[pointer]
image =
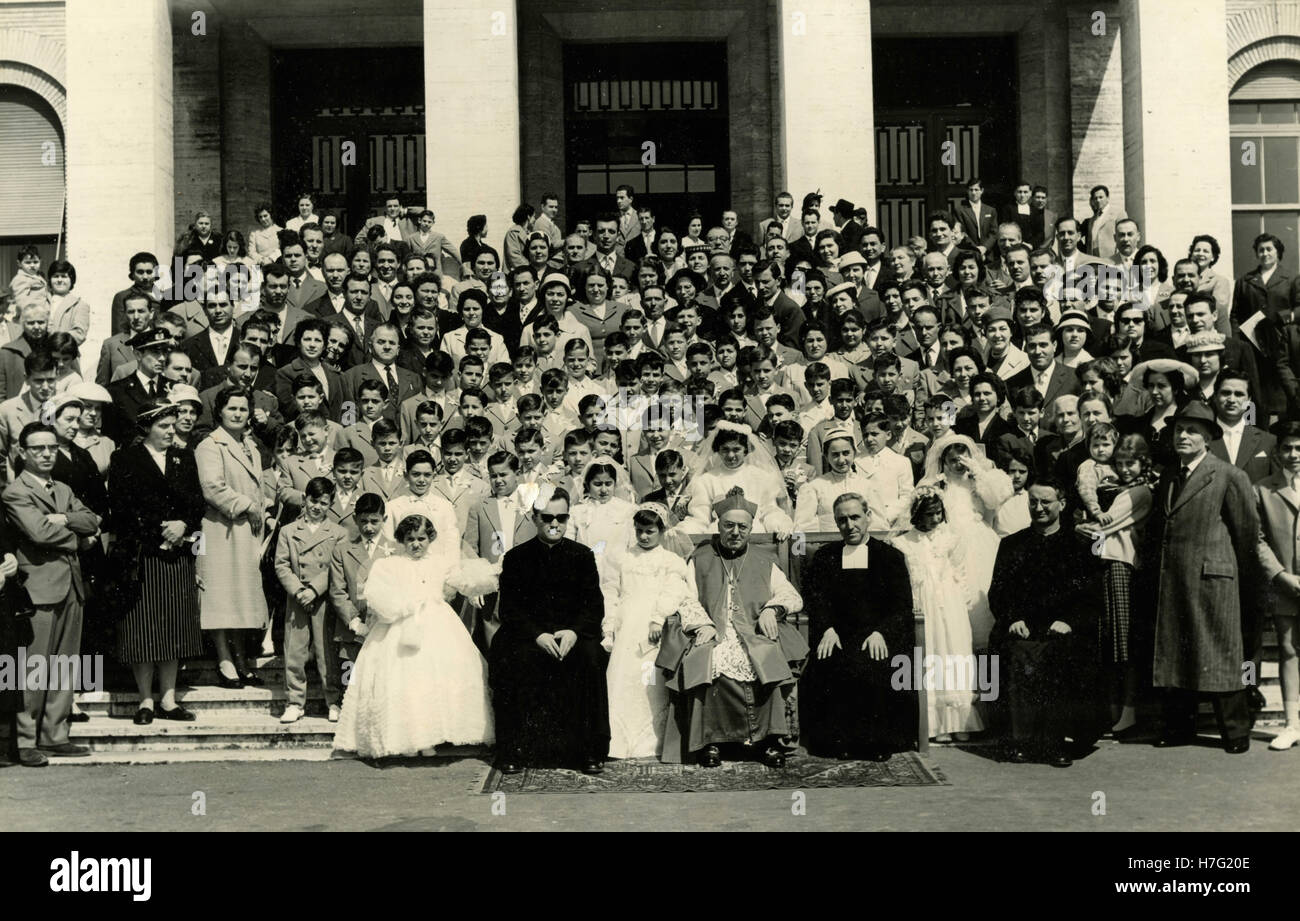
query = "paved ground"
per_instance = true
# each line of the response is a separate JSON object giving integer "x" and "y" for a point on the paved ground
{"x": 1200, "y": 789}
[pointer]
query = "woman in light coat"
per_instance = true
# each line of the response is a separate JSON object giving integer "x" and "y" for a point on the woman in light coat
{"x": 230, "y": 473}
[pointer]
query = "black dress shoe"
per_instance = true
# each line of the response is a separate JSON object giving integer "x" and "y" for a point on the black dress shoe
{"x": 143, "y": 716}
{"x": 880, "y": 755}
{"x": 509, "y": 767}
{"x": 1257, "y": 701}
{"x": 1019, "y": 756}
{"x": 177, "y": 713}
{"x": 252, "y": 680}
{"x": 594, "y": 767}
{"x": 710, "y": 756}
{"x": 79, "y": 718}
{"x": 844, "y": 755}
{"x": 30, "y": 757}
{"x": 1237, "y": 746}
{"x": 773, "y": 757}
{"x": 230, "y": 684}
{"x": 1174, "y": 741}
{"x": 1060, "y": 759}
{"x": 66, "y": 750}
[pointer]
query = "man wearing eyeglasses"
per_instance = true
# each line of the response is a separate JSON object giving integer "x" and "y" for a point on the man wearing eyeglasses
{"x": 50, "y": 524}
{"x": 546, "y": 666}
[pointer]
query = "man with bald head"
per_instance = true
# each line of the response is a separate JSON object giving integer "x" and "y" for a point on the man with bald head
{"x": 34, "y": 324}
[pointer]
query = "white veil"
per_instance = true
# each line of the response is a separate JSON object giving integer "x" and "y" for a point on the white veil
{"x": 933, "y": 457}
{"x": 759, "y": 456}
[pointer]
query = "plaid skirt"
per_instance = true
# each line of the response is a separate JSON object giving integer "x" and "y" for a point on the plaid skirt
{"x": 1113, "y": 627}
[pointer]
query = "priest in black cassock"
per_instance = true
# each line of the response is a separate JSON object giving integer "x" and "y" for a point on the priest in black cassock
{"x": 1046, "y": 596}
{"x": 546, "y": 667}
{"x": 729, "y": 657}
{"x": 858, "y": 597}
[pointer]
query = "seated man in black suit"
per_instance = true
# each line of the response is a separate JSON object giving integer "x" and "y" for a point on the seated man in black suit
{"x": 1045, "y": 595}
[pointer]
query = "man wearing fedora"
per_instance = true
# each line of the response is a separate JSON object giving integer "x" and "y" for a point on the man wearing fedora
{"x": 1202, "y": 539}
{"x": 849, "y": 229}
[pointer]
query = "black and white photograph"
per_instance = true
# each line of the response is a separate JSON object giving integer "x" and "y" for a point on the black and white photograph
{"x": 614, "y": 415}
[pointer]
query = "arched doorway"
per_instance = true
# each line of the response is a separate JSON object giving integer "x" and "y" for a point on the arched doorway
{"x": 32, "y": 181}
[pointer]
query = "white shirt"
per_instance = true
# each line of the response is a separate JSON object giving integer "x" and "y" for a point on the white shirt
{"x": 508, "y": 511}
{"x": 1232, "y": 438}
{"x": 358, "y": 323}
{"x": 146, "y": 381}
{"x": 526, "y": 309}
{"x": 336, "y": 300}
{"x": 382, "y": 370}
{"x": 1264, "y": 276}
{"x": 159, "y": 457}
{"x": 655, "y": 329}
{"x": 220, "y": 341}
{"x": 1042, "y": 379}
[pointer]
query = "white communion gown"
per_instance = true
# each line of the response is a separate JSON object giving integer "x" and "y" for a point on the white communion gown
{"x": 652, "y": 585}
{"x": 419, "y": 680}
{"x": 971, "y": 505}
{"x": 936, "y": 564}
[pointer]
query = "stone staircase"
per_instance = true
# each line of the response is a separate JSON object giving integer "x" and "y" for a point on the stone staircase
{"x": 244, "y": 725}
{"x": 232, "y": 725}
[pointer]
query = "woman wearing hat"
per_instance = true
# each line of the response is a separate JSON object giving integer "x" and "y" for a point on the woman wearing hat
{"x": 156, "y": 510}
{"x": 1204, "y": 351}
{"x": 555, "y": 292}
{"x": 1071, "y": 335}
{"x": 1170, "y": 385}
{"x": 189, "y": 408}
{"x": 93, "y": 399}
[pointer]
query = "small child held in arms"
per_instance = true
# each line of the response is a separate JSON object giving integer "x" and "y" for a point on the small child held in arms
{"x": 1097, "y": 481}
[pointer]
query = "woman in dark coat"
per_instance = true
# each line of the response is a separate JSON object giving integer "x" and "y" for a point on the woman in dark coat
{"x": 157, "y": 509}
{"x": 847, "y": 705}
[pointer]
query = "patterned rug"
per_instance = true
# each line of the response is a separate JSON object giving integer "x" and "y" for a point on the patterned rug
{"x": 803, "y": 771}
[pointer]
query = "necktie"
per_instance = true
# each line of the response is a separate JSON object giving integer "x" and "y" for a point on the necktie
{"x": 608, "y": 262}
{"x": 1183, "y": 474}
{"x": 297, "y": 282}
{"x": 391, "y": 381}
{"x": 153, "y": 388}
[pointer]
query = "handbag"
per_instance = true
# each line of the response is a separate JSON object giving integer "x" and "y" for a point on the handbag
{"x": 122, "y": 586}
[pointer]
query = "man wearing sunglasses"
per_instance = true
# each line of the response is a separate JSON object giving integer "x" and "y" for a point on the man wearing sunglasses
{"x": 546, "y": 666}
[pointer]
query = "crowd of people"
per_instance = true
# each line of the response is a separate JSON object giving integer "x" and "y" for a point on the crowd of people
{"x": 532, "y": 496}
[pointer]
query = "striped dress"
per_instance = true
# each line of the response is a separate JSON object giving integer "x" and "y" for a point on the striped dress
{"x": 162, "y": 623}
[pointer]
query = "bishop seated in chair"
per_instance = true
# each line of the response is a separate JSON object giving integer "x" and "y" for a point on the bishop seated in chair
{"x": 729, "y": 658}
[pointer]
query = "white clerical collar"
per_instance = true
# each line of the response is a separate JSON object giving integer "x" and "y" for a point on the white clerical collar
{"x": 854, "y": 557}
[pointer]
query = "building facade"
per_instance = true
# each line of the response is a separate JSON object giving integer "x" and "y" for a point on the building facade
{"x": 119, "y": 119}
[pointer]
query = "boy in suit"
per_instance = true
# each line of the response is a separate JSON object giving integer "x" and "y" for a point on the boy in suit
{"x": 455, "y": 482}
{"x": 302, "y": 563}
{"x": 50, "y": 525}
{"x": 495, "y": 525}
{"x": 427, "y": 432}
{"x": 438, "y": 369}
{"x": 348, "y": 467}
{"x": 314, "y": 459}
{"x": 386, "y": 475}
{"x": 372, "y": 397}
{"x": 349, "y": 566}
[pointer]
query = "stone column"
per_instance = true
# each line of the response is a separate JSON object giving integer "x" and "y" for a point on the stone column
{"x": 827, "y": 119}
{"x": 471, "y": 97}
{"x": 120, "y": 171}
{"x": 1176, "y": 172}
